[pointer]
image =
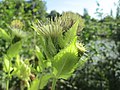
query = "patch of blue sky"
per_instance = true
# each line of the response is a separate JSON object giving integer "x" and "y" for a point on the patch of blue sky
{"x": 78, "y": 6}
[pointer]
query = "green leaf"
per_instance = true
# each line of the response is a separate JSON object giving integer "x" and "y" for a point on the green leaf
{"x": 42, "y": 41}
{"x": 65, "y": 76}
{"x": 44, "y": 80}
{"x": 51, "y": 48}
{"x": 82, "y": 62}
{"x": 21, "y": 69}
{"x": 65, "y": 61}
{"x": 4, "y": 35}
{"x": 7, "y": 64}
{"x": 69, "y": 36}
{"x": 35, "y": 85}
{"x": 14, "y": 49}
{"x": 40, "y": 83}
{"x": 40, "y": 58}
{"x": 25, "y": 71}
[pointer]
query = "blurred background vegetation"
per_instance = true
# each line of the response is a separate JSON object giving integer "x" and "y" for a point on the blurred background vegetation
{"x": 100, "y": 37}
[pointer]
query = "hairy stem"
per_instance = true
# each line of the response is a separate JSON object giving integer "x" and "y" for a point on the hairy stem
{"x": 54, "y": 83}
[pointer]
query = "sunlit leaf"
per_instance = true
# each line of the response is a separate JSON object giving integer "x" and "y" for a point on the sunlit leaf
{"x": 65, "y": 61}
{"x": 7, "y": 64}
{"x": 14, "y": 49}
{"x": 69, "y": 35}
{"x": 4, "y": 35}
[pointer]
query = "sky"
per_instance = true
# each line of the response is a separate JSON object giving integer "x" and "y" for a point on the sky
{"x": 77, "y": 6}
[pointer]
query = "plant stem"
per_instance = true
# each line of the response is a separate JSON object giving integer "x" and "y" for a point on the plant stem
{"x": 54, "y": 83}
{"x": 7, "y": 85}
{"x": 8, "y": 77}
{"x": 21, "y": 86}
{"x": 8, "y": 81}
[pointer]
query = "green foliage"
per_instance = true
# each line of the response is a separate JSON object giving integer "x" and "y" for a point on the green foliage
{"x": 21, "y": 9}
{"x": 54, "y": 57}
{"x": 35, "y": 84}
{"x": 40, "y": 83}
{"x": 62, "y": 60}
{"x": 4, "y": 35}
{"x": 14, "y": 49}
{"x": 101, "y": 72}
{"x": 22, "y": 68}
{"x": 100, "y": 68}
{"x": 70, "y": 35}
{"x": 69, "y": 18}
{"x": 95, "y": 29}
{"x": 101, "y": 38}
{"x": 7, "y": 64}
{"x": 65, "y": 61}
{"x": 19, "y": 69}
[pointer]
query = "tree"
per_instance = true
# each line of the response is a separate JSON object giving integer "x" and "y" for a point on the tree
{"x": 118, "y": 10}
{"x": 85, "y": 14}
{"x": 53, "y": 14}
{"x": 21, "y": 9}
